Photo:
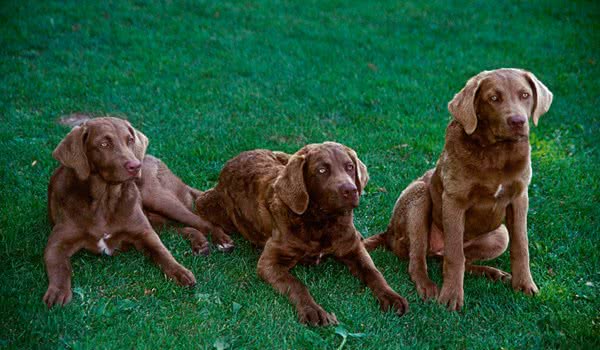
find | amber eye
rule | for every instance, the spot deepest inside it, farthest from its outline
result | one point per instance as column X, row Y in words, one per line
column 322, row 170
column 130, row 140
column 349, row 166
column 494, row 98
column 524, row 95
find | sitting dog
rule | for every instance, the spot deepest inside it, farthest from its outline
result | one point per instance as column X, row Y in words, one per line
column 94, row 202
column 457, row 209
column 299, row 208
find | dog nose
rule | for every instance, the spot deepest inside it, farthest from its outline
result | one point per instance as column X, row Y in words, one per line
column 516, row 121
column 133, row 166
column 348, row 189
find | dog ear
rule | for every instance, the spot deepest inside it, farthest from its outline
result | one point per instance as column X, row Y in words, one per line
column 290, row 186
column 462, row 106
column 542, row 97
column 70, row 152
column 362, row 175
column 140, row 145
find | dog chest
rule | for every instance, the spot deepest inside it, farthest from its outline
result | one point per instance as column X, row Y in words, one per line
column 104, row 246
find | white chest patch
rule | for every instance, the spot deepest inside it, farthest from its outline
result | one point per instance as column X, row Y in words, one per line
column 499, row 191
column 103, row 247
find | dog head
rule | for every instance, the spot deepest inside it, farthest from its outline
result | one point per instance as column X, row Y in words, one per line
column 501, row 102
column 109, row 147
column 329, row 176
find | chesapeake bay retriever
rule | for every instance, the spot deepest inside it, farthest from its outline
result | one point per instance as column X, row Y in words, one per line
column 298, row 208
column 97, row 199
column 457, row 209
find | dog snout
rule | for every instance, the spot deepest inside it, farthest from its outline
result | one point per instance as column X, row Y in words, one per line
column 516, row 121
column 133, row 166
column 348, row 190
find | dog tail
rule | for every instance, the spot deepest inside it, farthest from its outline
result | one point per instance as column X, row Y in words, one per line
column 377, row 240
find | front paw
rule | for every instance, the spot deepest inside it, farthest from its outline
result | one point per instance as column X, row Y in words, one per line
column 223, row 242
column 427, row 289
column 525, row 285
column 315, row 315
column 394, row 302
column 183, row 276
column 451, row 297
column 57, row 296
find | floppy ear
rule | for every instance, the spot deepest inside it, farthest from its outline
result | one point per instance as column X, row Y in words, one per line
column 290, row 186
column 140, row 144
column 70, row 152
column 462, row 106
column 542, row 97
column 362, row 176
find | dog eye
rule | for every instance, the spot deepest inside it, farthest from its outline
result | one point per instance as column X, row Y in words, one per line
column 349, row 166
column 322, row 170
column 524, row 95
column 494, row 98
column 104, row 144
column 130, row 140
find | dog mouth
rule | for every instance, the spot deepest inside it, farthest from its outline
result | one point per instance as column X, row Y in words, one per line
column 512, row 138
column 115, row 179
column 136, row 174
column 512, row 135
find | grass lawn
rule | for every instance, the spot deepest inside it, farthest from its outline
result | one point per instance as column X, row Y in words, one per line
column 206, row 80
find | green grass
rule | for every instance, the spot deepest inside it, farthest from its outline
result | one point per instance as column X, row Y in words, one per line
column 207, row 80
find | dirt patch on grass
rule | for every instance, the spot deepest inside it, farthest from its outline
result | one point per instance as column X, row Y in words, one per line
column 74, row 119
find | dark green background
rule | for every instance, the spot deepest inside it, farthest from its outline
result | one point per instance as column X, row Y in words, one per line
column 207, row 80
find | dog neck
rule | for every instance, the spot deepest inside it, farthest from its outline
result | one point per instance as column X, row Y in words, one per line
column 483, row 152
column 315, row 213
column 102, row 191
column 483, row 137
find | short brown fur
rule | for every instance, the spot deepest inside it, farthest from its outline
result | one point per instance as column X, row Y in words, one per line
column 298, row 208
column 457, row 209
column 98, row 196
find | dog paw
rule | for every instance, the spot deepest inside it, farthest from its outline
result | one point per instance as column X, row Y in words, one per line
column 451, row 298
column 427, row 289
column 201, row 248
column 489, row 272
column 391, row 301
column 222, row 241
column 57, row 296
column 526, row 286
column 183, row 277
column 498, row 275
column 315, row 315
column 225, row 247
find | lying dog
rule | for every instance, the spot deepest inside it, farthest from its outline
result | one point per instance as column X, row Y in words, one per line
column 456, row 210
column 94, row 202
column 299, row 208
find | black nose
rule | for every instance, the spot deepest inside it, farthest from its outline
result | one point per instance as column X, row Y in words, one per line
column 348, row 189
column 133, row 166
column 516, row 121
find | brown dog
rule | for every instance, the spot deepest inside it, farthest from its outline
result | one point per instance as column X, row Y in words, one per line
column 95, row 204
column 299, row 208
column 456, row 210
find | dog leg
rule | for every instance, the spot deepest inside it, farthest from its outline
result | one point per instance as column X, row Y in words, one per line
column 452, row 293
column 416, row 224
column 150, row 243
column 361, row 265
column 156, row 220
column 516, row 222
column 209, row 207
column 197, row 239
column 274, row 268
column 487, row 247
column 58, row 267
column 169, row 206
